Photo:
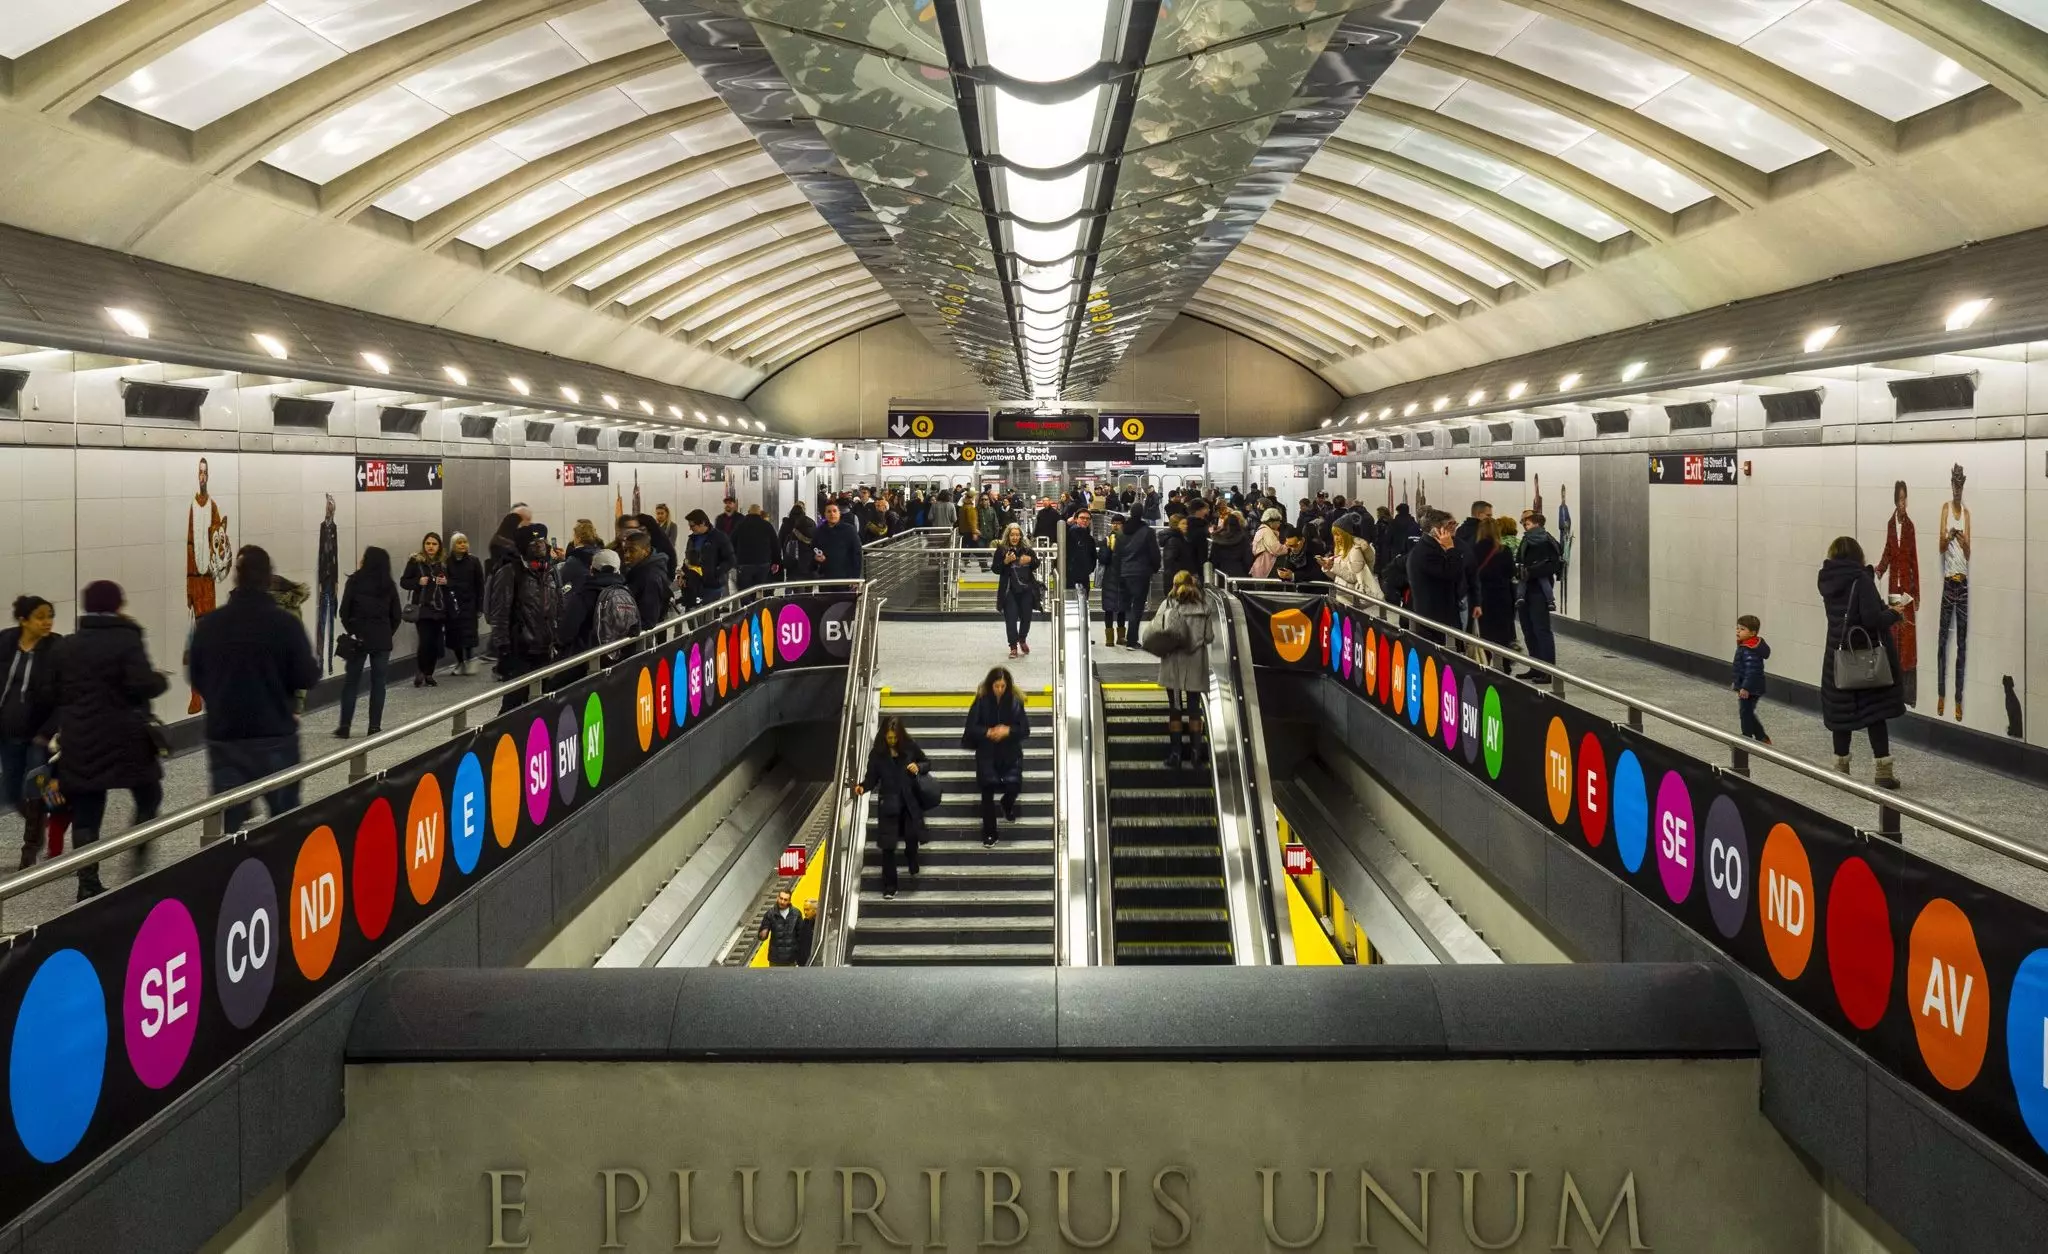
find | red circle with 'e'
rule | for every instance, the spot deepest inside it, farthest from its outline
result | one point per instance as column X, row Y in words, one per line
column 1592, row 790
column 1861, row 953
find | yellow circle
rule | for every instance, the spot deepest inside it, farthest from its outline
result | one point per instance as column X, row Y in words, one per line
column 1134, row 430
column 967, row 453
column 922, row 426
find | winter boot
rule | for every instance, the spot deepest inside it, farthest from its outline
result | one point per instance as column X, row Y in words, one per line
column 1109, row 634
column 1886, row 777
column 1842, row 763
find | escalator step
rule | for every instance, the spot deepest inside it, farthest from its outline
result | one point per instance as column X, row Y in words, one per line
column 1172, row 914
column 1162, row 794
column 1183, row 951
column 1164, row 820
column 1210, row 850
column 1145, row 883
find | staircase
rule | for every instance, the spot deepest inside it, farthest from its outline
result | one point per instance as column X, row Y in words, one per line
column 968, row 904
column 1166, row 850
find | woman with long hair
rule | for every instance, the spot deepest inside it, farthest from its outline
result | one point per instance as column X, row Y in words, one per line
column 1017, row 586
column 25, row 706
column 1350, row 562
column 426, row 578
column 465, row 602
column 894, row 763
column 1494, row 573
column 1858, row 618
column 504, row 546
column 1184, row 670
column 997, row 727
column 369, row 616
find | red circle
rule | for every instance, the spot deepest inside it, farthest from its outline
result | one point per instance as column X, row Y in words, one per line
column 1593, row 794
column 373, row 879
column 1386, row 670
column 664, row 699
column 1861, row 955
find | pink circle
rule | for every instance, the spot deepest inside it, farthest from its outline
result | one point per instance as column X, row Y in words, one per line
column 696, row 684
column 160, row 1005
column 1448, row 723
column 792, row 632
column 1676, row 838
column 540, row 766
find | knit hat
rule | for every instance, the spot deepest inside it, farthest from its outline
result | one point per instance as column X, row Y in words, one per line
column 101, row 596
column 1350, row 524
column 604, row 559
column 1272, row 515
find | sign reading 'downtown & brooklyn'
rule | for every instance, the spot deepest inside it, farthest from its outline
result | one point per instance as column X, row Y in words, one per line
column 1669, row 1155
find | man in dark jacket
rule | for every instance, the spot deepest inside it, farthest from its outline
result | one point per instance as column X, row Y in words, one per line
column 729, row 517
column 646, row 576
column 1542, row 560
column 1080, row 554
column 1478, row 524
column 1046, row 524
column 1436, row 573
column 1138, row 560
column 754, row 551
column 707, row 560
column 523, row 604
column 576, row 631
column 251, row 663
column 836, row 545
column 788, row 933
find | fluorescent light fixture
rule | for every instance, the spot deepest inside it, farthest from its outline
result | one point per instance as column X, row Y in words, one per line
column 1475, row 396
column 1440, row 404
column 272, row 345
column 609, row 399
column 1051, row 320
column 1043, row 245
column 571, row 395
column 1516, row 389
column 1046, row 302
column 1819, row 338
column 1044, row 200
column 1045, row 136
column 1048, row 278
column 1569, row 382
column 723, row 422
column 676, row 411
column 1713, row 357
column 520, row 385
column 1408, row 410
column 1043, row 41
column 701, row 417
column 1386, row 412
column 376, row 362
column 456, row 376
column 1632, row 370
column 647, row 407
column 1960, row 318
column 130, row 322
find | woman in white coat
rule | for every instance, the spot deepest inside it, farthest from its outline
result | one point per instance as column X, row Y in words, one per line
column 1184, row 618
column 1351, row 564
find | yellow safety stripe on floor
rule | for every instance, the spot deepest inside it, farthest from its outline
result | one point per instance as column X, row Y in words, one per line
column 808, row 886
column 894, row 700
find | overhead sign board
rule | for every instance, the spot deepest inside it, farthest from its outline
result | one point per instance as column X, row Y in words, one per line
column 1503, row 469
column 1711, row 469
column 1003, row 452
column 935, row 424
column 1027, row 425
column 1149, row 428
column 585, row 474
column 1375, row 470
column 398, row 474
column 1340, row 448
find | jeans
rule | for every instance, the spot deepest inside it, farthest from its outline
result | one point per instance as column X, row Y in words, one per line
column 1955, row 613
column 431, row 633
column 353, row 681
column 1880, row 741
column 1537, row 637
column 1018, row 605
column 233, row 763
column 89, row 810
column 1752, row 726
column 1136, row 587
column 1009, row 787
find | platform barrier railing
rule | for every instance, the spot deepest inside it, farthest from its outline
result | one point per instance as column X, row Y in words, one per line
column 1890, row 806
column 845, row 844
column 356, row 755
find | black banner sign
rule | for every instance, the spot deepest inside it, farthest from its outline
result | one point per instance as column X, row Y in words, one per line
column 1150, row 428
column 398, row 474
column 932, row 424
column 1375, row 470
column 1939, row 979
column 1712, row 469
column 118, row 1007
column 586, row 474
column 1503, row 469
column 1003, row 452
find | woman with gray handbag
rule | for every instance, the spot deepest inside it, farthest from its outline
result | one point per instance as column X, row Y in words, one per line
column 1859, row 671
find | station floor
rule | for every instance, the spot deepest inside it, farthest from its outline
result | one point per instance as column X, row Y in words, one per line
column 1989, row 799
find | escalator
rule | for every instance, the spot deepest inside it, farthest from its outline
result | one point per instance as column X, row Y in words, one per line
column 1170, row 904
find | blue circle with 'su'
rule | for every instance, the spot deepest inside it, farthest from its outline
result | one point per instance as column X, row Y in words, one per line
column 1630, row 804
column 468, row 805
column 1415, row 686
column 2026, row 1042
column 58, row 1058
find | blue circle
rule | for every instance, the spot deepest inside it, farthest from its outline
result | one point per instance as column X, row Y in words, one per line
column 1340, row 644
column 1415, row 686
column 679, row 688
column 59, row 1056
column 2026, row 1041
column 468, row 808
column 754, row 644
column 1629, row 799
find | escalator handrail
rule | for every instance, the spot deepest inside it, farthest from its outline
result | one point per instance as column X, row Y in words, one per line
column 1253, row 878
column 839, row 900
column 1101, row 859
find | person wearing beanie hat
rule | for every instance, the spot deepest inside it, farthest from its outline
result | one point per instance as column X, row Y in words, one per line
column 1350, row 562
column 523, row 604
column 1267, row 546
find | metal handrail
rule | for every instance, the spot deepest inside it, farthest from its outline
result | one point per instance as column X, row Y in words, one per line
column 1063, row 879
column 1252, row 876
column 1887, row 803
column 100, row 850
column 845, row 844
column 1100, row 857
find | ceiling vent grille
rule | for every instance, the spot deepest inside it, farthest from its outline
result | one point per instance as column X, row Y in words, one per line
column 586, row 437
column 1937, row 394
column 1550, row 428
column 393, row 420
column 1501, row 432
column 540, row 432
column 663, row 443
column 11, row 384
column 161, row 400
column 629, row 439
column 300, row 413
column 1691, row 415
column 1461, row 435
column 478, row 426
column 1611, row 422
column 1801, row 406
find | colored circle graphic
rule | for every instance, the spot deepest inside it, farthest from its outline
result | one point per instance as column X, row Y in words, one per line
column 568, row 755
column 696, row 684
column 1291, row 632
column 314, row 906
column 247, row 940
column 1383, row 669
column 1353, row 638
column 765, row 625
column 1447, row 718
column 1677, row 838
column 508, row 773
column 664, row 699
column 644, row 706
column 1949, row 994
column 1785, row 878
column 1728, row 868
column 1398, row 676
column 1432, row 698
column 539, row 778
column 742, row 647
column 2026, row 1036
column 57, row 1062
column 1326, row 637
column 1493, row 732
column 466, row 806
column 708, row 677
column 1468, row 719
column 373, row 877
column 721, row 654
column 1414, row 693
column 593, row 738
column 754, row 648
column 160, row 999
column 1630, row 803
column 679, row 687
column 1592, row 789
column 836, row 629
column 426, row 839
column 1557, row 770
column 1861, row 953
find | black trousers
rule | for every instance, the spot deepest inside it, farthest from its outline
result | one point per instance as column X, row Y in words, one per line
column 1880, row 740
column 431, row 633
column 989, row 788
column 908, row 842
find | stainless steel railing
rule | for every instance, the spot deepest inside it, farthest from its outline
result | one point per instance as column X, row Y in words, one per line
column 356, row 755
column 1253, row 879
column 1890, row 806
column 846, row 843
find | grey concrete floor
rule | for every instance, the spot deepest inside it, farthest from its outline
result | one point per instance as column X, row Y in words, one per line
column 185, row 784
column 954, row 655
column 1950, row 785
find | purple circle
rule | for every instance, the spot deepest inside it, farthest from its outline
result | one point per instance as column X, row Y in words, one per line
column 540, row 770
column 160, row 1003
column 1344, row 645
column 1676, row 838
column 1449, row 717
column 792, row 632
column 696, row 684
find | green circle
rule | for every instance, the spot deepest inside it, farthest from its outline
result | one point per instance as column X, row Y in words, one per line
column 593, row 740
column 1492, row 733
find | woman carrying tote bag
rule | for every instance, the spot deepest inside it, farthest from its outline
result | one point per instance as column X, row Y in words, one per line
column 1855, row 692
column 1180, row 634
column 897, row 774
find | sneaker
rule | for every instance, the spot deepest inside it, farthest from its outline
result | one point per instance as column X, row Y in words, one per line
column 988, row 842
column 888, row 894
column 1173, row 761
column 341, row 733
column 1010, row 813
column 1024, row 645
column 1013, row 650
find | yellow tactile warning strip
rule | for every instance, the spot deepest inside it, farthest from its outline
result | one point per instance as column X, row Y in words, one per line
column 1039, row 699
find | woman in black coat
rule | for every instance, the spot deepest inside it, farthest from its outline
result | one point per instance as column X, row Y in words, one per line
column 1493, row 571
column 465, row 602
column 996, row 730
column 100, row 684
column 1230, row 547
column 894, row 763
column 370, row 616
column 1848, row 592
column 1177, row 551
column 25, row 710
column 426, row 579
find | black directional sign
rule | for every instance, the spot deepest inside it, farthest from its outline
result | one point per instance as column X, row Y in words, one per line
column 935, row 424
column 1149, row 428
column 586, row 474
column 398, row 474
column 1004, row 452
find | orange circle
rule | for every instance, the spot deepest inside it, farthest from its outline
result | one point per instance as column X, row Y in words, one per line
column 741, row 647
column 1431, row 698
column 724, row 667
column 1291, row 634
column 1372, row 661
column 643, row 709
column 1788, row 909
column 768, row 641
column 426, row 839
column 1399, row 675
column 1948, row 994
column 1557, row 770
column 507, row 790
column 315, row 903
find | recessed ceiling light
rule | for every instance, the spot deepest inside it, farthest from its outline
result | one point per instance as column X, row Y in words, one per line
column 456, row 375
column 646, row 407
column 130, row 322
column 376, row 362
column 272, row 345
column 1966, row 313
column 1713, row 357
column 1408, row 410
column 609, row 399
column 701, row 417
column 1475, row 396
column 723, row 422
column 1569, row 382
column 1386, row 412
column 571, row 395
column 520, row 385
column 677, row 411
column 1819, row 338
column 1440, row 404
column 1516, row 389
column 1633, row 369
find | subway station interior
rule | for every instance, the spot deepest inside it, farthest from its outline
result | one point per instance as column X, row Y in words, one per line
column 527, row 724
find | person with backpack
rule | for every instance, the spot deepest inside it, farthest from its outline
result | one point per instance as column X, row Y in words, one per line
column 894, row 765
column 523, row 604
column 1180, row 634
column 602, row 611
column 1542, row 561
column 647, row 578
column 799, row 558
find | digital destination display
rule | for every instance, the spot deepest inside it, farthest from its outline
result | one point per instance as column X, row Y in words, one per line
column 1033, row 427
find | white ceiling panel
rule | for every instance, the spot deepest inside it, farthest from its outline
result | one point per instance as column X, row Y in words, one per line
column 1520, row 120
column 1860, row 58
column 1481, row 25
column 1732, row 20
column 1282, row 225
column 1317, row 271
column 1477, row 221
column 1590, row 62
column 735, row 290
column 353, row 24
column 673, row 195
column 748, row 241
column 608, row 29
column 645, row 250
column 354, row 135
column 1724, row 121
column 219, row 71
column 570, row 123
column 1559, row 205
column 2032, row 12
column 1417, row 84
column 583, row 235
column 26, row 25
column 1338, row 169
column 499, row 68
column 669, row 88
column 1252, row 288
column 536, row 206
column 1633, row 171
column 722, row 131
column 747, row 169
column 648, row 287
column 458, row 176
column 627, row 163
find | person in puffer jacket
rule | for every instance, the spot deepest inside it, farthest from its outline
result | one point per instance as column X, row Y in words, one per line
column 1751, row 652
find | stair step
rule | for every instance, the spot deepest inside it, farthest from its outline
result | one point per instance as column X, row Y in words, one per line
column 1172, row 914
column 1017, row 954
